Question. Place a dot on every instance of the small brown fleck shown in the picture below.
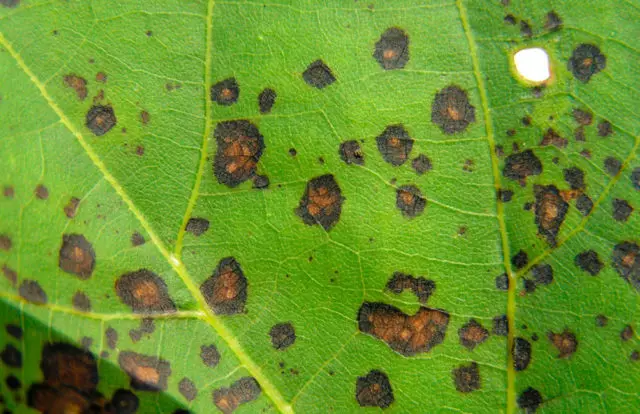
(601, 321)
(551, 137)
(41, 192)
(78, 84)
(472, 334)
(144, 292)
(101, 77)
(139, 150)
(584, 204)
(621, 209)
(466, 377)
(71, 208)
(525, 28)
(137, 239)
(10, 274)
(266, 100)
(510, 19)
(565, 342)
(421, 164)
(81, 302)
(112, 337)
(553, 21)
(8, 191)
(518, 166)
(77, 256)
(11, 356)
(612, 165)
(583, 116)
(145, 117)
(626, 261)
(147, 327)
(226, 290)
(283, 335)
(5, 242)
(500, 325)
(521, 353)
(147, 373)
(627, 333)
(550, 211)
(605, 128)
(421, 287)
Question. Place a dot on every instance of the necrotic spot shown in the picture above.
(197, 226)
(551, 137)
(521, 354)
(283, 335)
(71, 208)
(226, 290)
(472, 334)
(574, 177)
(565, 342)
(520, 259)
(500, 325)
(240, 146)
(529, 400)
(525, 29)
(11, 356)
(395, 144)
(542, 274)
(626, 261)
(188, 389)
(225, 92)
(65, 364)
(77, 256)
(520, 165)
(421, 164)
(5, 242)
(589, 262)
(209, 355)
(41, 192)
(586, 61)
(14, 330)
(626, 333)
(242, 391)
(502, 282)
(266, 99)
(112, 337)
(13, 382)
(605, 128)
(318, 75)
(584, 204)
(321, 202)
(260, 182)
(81, 302)
(583, 116)
(466, 377)
(612, 165)
(78, 84)
(351, 153)
(392, 50)
(635, 178)
(601, 320)
(32, 291)
(405, 334)
(550, 211)
(137, 239)
(144, 292)
(421, 287)
(374, 390)
(100, 119)
(621, 209)
(147, 373)
(451, 110)
(10, 3)
(125, 402)
(553, 21)
(410, 201)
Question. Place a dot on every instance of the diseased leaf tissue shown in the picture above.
(274, 206)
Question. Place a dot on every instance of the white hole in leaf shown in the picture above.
(533, 64)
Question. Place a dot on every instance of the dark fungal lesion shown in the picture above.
(76, 256)
(31, 291)
(625, 259)
(351, 152)
(226, 92)
(520, 165)
(529, 400)
(410, 201)
(452, 111)
(589, 262)
(146, 373)
(100, 119)
(239, 148)
(226, 290)
(144, 292)
(472, 334)
(188, 389)
(321, 202)
(521, 353)
(78, 84)
(81, 302)
(318, 75)
(392, 49)
(374, 390)
(395, 144)
(197, 226)
(242, 391)
(565, 342)
(423, 288)
(283, 335)
(586, 61)
(466, 378)
(209, 355)
(550, 211)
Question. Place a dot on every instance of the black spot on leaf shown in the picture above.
(266, 100)
(586, 61)
(240, 146)
(125, 402)
(601, 321)
(421, 164)
(226, 290)
(550, 211)
(589, 262)
(394, 144)
(520, 259)
(553, 21)
(147, 327)
(584, 204)
(77, 256)
(551, 137)
(147, 373)
(525, 29)
(472, 334)
(351, 153)
(283, 335)
(521, 354)
(621, 209)
(100, 119)
(226, 92)
(81, 302)
(260, 182)
(421, 287)
(574, 177)
(144, 292)
(188, 389)
(137, 239)
(529, 400)
(626, 261)
(242, 391)
(410, 201)
(13, 383)
(67, 365)
(11, 356)
(392, 50)
(321, 202)
(374, 390)
(112, 337)
(635, 178)
(627, 333)
(41, 192)
(500, 325)
(510, 19)
(197, 226)
(583, 116)
(520, 165)
(542, 274)
(612, 165)
(605, 128)
(71, 208)
(318, 75)
(32, 291)
(14, 330)
(502, 282)
(451, 110)
(466, 377)
(565, 342)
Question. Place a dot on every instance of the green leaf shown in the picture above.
(262, 206)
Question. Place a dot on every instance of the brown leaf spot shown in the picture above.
(145, 117)
(500, 325)
(318, 75)
(621, 209)
(124, 402)
(574, 176)
(586, 61)
(5, 242)
(147, 373)
(10, 3)
(529, 400)
(589, 262)
(197, 226)
(583, 116)
(100, 119)
(405, 334)
(144, 292)
(63, 364)
(10, 274)
(553, 21)
(283, 335)
(374, 390)
(321, 202)
(8, 191)
(240, 146)
(77, 256)
(584, 204)
(421, 287)
(147, 327)
(421, 164)
(395, 144)
(627, 333)
(410, 201)
(41, 192)
(626, 261)
(525, 28)
(392, 49)
(209, 355)
(11, 356)
(266, 100)
(472, 334)
(101, 77)
(226, 290)
(32, 291)
(612, 165)
(71, 208)
(520, 165)
(551, 137)
(601, 321)
(78, 84)
(242, 391)
(451, 110)
(605, 128)
(351, 153)
(466, 377)
(226, 92)
(550, 211)
(137, 239)
(188, 389)
(521, 353)
(81, 302)
(112, 337)
(565, 342)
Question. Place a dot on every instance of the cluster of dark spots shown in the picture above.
(5, 242)
(586, 61)
(525, 29)
(100, 119)
(240, 146)
(13, 382)
(10, 3)
(589, 262)
(197, 226)
(521, 353)
(112, 337)
(601, 321)
(520, 259)
(421, 287)
(529, 400)
(605, 128)
(8, 191)
(77, 256)
(226, 290)
(451, 110)
(410, 201)
(242, 391)
(542, 274)
(226, 92)
(283, 335)
(318, 75)
(626, 261)
(188, 389)
(502, 282)
(10, 274)
(551, 137)
(504, 195)
(71, 208)
(566, 343)
(125, 402)
(584, 204)
(405, 334)
(11, 356)
(101, 77)
(81, 302)
(500, 325)
(321, 202)
(612, 165)
(147, 327)
(394, 144)
(14, 330)
(260, 182)
(553, 21)
(78, 83)
(209, 355)
(510, 19)
(374, 390)
(472, 334)
(626, 333)
(421, 164)
(574, 176)
(147, 373)
(392, 49)
(520, 165)
(144, 292)
(137, 239)
(32, 291)
(635, 178)
(621, 209)
(145, 117)
(41, 192)
(550, 211)
(583, 116)
(351, 152)
(466, 378)
(266, 100)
